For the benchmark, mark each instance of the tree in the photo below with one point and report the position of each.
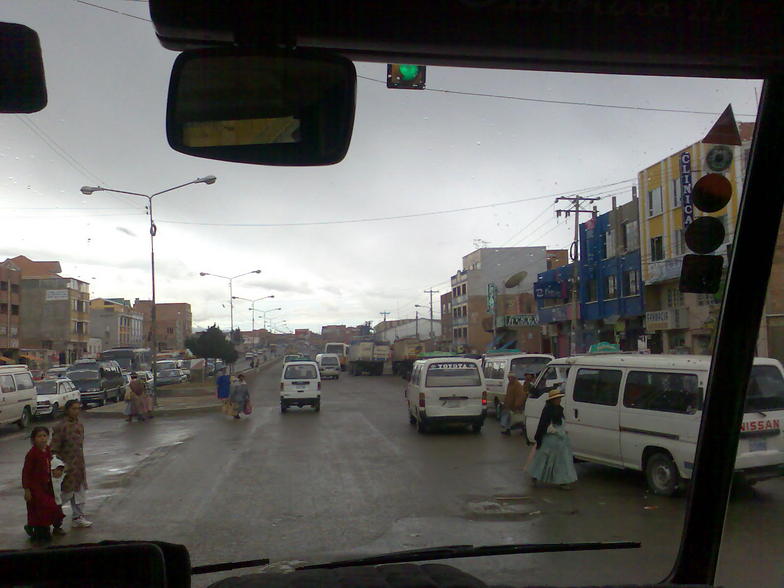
(236, 336)
(212, 343)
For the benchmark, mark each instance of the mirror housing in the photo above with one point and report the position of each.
(21, 70)
(270, 107)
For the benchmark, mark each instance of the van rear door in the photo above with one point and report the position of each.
(592, 414)
(453, 388)
(761, 441)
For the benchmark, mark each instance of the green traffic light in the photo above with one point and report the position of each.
(409, 72)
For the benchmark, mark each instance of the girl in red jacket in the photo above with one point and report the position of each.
(42, 510)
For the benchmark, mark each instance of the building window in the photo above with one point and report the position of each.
(657, 249)
(631, 236)
(608, 245)
(14, 288)
(3, 308)
(677, 192)
(170, 330)
(655, 201)
(674, 298)
(463, 290)
(610, 287)
(706, 299)
(15, 309)
(3, 286)
(631, 283)
(678, 243)
(591, 290)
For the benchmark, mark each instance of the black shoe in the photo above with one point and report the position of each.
(506, 432)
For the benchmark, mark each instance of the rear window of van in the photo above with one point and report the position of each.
(452, 374)
(298, 372)
(766, 389)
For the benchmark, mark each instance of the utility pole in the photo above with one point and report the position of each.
(576, 202)
(431, 292)
(385, 314)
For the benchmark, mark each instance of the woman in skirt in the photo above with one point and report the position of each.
(553, 462)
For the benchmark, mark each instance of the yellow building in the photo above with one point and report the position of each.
(679, 322)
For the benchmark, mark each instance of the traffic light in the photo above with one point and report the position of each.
(402, 76)
(701, 271)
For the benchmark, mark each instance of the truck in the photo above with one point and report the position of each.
(404, 354)
(367, 356)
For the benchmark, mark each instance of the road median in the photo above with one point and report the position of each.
(182, 399)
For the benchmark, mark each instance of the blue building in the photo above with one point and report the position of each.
(610, 292)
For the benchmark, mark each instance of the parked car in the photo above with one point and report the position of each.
(169, 377)
(52, 395)
(18, 399)
(497, 366)
(98, 381)
(56, 372)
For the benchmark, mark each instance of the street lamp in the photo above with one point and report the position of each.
(264, 313)
(89, 190)
(253, 312)
(231, 294)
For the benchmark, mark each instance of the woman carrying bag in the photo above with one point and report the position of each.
(553, 462)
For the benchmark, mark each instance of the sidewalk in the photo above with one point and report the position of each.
(181, 401)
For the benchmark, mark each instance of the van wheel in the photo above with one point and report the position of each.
(25, 419)
(103, 400)
(662, 475)
(317, 406)
(476, 427)
(283, 407)
(422, 426)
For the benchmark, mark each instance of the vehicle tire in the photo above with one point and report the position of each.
(26, 418)
(662, 474)
(476, 427)
(55, 410)
(317, 406)
(283, 407)
(103, 400)
(422, 426)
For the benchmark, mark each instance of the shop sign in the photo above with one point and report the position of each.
(56, 295)
(522, 320)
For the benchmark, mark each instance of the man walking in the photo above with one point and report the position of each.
(223, 385)
(68, 445)
(514, 402)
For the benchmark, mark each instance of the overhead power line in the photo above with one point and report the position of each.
(563, 102)
(112, 10)
(385, 218)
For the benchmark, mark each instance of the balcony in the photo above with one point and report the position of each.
(460, 321)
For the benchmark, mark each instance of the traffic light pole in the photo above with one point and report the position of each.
(576, 201)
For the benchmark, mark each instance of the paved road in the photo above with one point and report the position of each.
(356, 478)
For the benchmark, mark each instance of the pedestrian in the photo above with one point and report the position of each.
(528, 386)
(239, 396)
(223, 386)
(68, 445)
(553, 462)
(512, 405)
(140, 404)
(42, 509)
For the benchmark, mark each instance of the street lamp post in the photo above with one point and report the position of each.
(87, 191)
(231, 294)
(252, 310)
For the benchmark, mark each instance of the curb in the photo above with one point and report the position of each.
(162, 412)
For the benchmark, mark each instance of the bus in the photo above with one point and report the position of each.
(339, 349)
(130, 359)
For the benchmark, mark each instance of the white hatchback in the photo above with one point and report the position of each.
(53, 394)
(300, 385)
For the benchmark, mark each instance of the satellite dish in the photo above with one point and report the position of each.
(515, 279)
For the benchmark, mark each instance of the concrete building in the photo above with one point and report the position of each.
(54, 314)
(479, 282)
(10, 300)
(446, 321)
(611, 301)
(115, 323)
(678, 322)
(553, 293)
(174, 320)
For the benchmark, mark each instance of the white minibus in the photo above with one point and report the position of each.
(497, 366)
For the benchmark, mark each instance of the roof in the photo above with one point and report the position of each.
(644, 360)
(36, 269)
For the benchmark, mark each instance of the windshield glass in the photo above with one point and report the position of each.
(330, 361)
(496, 213)
(766, 389)
(46, 387)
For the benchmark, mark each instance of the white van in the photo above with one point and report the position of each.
(497, 366)
(300, 385)
(329, 365)
(18, 398)
(446, 390)
(643, 412)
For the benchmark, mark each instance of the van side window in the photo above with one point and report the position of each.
(7, 384)
(666, 392)
(24, 382)
(498, 372)
(488, 369)
(541, 385)
(597, 386)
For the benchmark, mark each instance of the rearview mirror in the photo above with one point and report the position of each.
(274, 108)
(21, 70)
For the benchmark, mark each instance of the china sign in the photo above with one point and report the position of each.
(521, 320)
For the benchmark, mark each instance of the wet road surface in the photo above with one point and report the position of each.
(357, 479)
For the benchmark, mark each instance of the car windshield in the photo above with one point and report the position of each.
(46, 387)
(490, 212)
(83, 374)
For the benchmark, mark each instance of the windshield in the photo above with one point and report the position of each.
(330, 361)
(83, 374)
(495, 213)
(46, 387)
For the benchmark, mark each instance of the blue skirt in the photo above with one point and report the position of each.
(553, 462)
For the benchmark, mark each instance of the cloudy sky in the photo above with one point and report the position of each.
(412, 153)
